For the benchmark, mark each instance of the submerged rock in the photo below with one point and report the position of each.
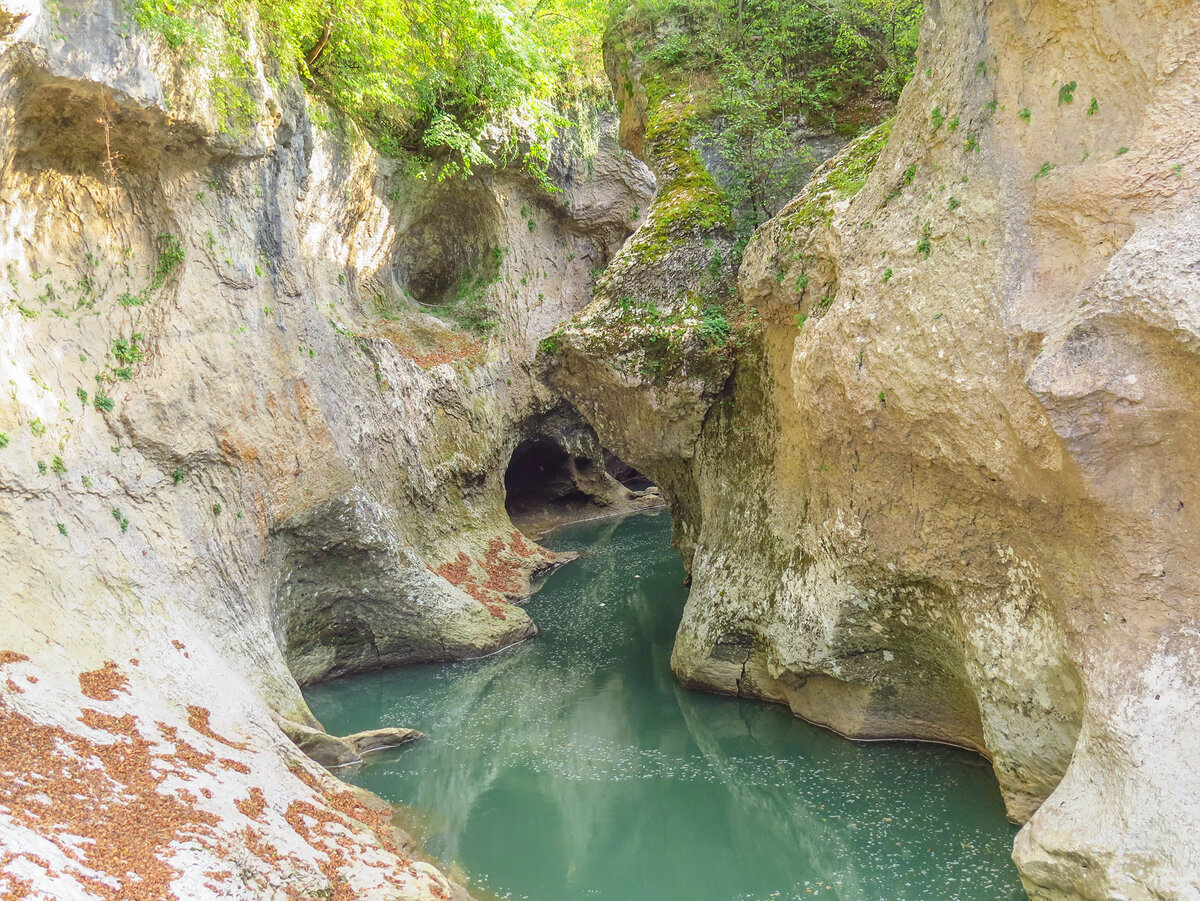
(334, 752)
(381, 739)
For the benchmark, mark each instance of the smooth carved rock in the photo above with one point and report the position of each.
(334, 752)
(299, 472)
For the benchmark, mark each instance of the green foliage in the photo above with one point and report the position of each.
(1122, 150)
(128, 299)
(177, 476)
(217, 508)
(57, 465)
(937, 117)
(953, 204)
(887, 275)
(37, 427)
(41, 465)
(924, 245)
(1093, 107)
(4, 439)
(548, 346)
(1066, 93)
(62, 527)
(103, 402)
(971, 144)
(754, 72)
(714, 327)
(126, 350)
(170, 258)
(162, 17)
(1045, 169)
(427, 76)
(1025, 114)
(122, 521)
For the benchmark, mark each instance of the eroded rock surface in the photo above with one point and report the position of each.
(947, 493)
(238, 452)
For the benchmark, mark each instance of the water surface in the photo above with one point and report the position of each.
(574, 767)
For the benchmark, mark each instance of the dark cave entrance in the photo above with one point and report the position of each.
(560, 473)
(542, 475)
(450, 248)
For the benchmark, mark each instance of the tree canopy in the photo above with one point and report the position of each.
(763, 75)
(461, 80)
(460, 83)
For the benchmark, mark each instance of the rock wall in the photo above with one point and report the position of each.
(947, 492)
(236, 452)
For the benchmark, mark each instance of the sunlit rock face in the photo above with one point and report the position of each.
(947, 492)
(238, 451)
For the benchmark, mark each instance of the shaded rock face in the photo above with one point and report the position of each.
(947, 492)
(236, 447)
(350, 596)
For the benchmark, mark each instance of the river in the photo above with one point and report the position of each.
(573, 767)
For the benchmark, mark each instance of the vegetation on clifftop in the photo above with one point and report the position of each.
(457, 82)
(756, 77)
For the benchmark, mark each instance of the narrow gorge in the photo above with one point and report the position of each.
(297, 376)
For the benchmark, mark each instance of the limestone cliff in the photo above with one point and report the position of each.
(947, 492)
(238, 452)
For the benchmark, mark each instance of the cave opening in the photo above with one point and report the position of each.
(542, 475)
(555, 479)
(451, 246)
(624, 473)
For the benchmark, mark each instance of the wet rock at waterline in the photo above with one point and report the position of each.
(334, 752)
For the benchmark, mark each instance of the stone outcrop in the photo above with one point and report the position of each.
(238, 449)
(334, 752)
(947, 491)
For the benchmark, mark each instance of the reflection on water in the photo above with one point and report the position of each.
(574, 767)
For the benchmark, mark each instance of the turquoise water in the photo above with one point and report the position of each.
(573, 766)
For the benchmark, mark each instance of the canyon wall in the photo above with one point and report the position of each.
(940, 485)
(238, 453)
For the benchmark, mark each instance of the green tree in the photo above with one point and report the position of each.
(458, 82)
